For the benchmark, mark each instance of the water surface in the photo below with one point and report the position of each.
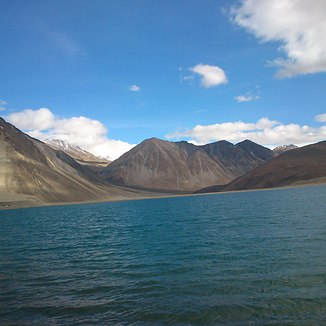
(253, 258)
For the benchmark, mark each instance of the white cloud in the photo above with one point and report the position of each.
(2, 102)
(2, 108)
(134, 88)
(40, 119)
(86, 133)
(321, 117)
(266, 132)
(211, 76)
(246, 98)
(299, 25)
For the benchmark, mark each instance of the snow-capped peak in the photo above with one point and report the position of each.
(73, 150)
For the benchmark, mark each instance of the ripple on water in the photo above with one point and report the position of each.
(238, 259)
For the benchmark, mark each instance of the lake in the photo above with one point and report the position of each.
(249, 258)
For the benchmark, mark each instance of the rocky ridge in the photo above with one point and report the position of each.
(33, 173)
(159, 164)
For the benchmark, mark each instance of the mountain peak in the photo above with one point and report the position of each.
(77, 153)
(220, 143)
(255, 150)
(247, 142)
(153, 140)
(63, 145)
(161, 164)
(283, 148)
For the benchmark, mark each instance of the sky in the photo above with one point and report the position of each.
(105, 75)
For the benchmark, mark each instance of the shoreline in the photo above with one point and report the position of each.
(29, 203)
(24, 204)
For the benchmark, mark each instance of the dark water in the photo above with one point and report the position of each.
(255, 258)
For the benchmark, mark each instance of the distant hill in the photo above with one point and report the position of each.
(300, 165)
(159, 164)
(33, 172)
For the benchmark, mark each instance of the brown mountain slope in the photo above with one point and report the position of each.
(240, 158)
(159, 164)
(255, 151)
(31, 171)
(87, 159)
(292, 167)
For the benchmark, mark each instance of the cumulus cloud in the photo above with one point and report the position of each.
(86, 133)
(211, 76)
(40, 119)
(246, 98)
(299, 25)
(267, 132)
(134, 88)
(2, 102)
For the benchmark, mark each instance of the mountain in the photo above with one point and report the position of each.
(94, 163)
(33, 173)
(298, 166)
(255, 151)
(159, 164)
(240, 158)
(77, 153)
(284, 148)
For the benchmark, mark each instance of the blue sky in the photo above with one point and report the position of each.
(130, 70)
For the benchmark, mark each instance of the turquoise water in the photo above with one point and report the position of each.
(254, 258)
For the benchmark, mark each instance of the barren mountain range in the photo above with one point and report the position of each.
(34, 173)
(294, 167)
(159, 164)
